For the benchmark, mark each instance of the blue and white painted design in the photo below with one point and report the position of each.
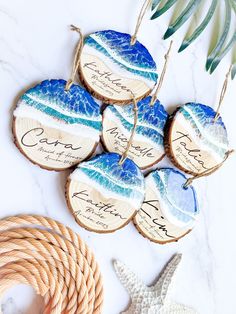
(73, 111)
(115, 46)
(178, 204)
(103, 173)
(211, 135)
(151, 121)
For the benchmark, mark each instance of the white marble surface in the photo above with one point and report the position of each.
(36, 44)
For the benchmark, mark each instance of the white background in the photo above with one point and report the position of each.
(36, 44)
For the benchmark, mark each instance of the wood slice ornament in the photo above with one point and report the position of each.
(56, 128)
(57, 123)
(196, 141)
(112, 67)
(103, 194)
(115, 65)
(169, 210)
(148, 144)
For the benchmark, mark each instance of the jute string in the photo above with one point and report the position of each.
(54, 260)
(76, 61)
(135, 107)
(126, 152)
(208, 171)
(223, 92)
(142, 13)
(157, 88)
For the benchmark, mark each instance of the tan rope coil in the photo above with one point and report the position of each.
(54, 260)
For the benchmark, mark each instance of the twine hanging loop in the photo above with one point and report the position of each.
(126, 152)
(223, 92)
(157, 88)
(76, 61)
(142, 13)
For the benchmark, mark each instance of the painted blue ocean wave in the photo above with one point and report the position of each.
(131, 53)
(180, 202)
(126, 179)
(54, 113)
(205, 114)
(76, 101)
(135, 55)
(213, 133)
(151, 119)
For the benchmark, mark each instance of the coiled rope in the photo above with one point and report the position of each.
(54, 260)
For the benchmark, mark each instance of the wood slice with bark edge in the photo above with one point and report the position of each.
(102, 97)
(168, 146)
(113, 67)
(103, 142)
(164, 229)
(16, 142)
(70, 207)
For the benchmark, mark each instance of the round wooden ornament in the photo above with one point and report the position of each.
(148, 144)
(169, 210)
(112, 67)
(103, 194)
(54, 127)
(196, 141)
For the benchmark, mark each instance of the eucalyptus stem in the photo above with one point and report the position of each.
(222, 46)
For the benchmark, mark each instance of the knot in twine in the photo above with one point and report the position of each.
(54, 260)
(158, 86)
(76, 62)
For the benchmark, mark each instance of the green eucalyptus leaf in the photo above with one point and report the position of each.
(165, 8)
(182, 18)
(219, 45)
(220, 56)
(233, 4)
(233, 72)
(155, 4)
(201, 27)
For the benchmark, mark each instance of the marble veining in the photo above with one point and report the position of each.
(32, 48)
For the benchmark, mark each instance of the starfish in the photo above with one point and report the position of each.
(154, 299)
